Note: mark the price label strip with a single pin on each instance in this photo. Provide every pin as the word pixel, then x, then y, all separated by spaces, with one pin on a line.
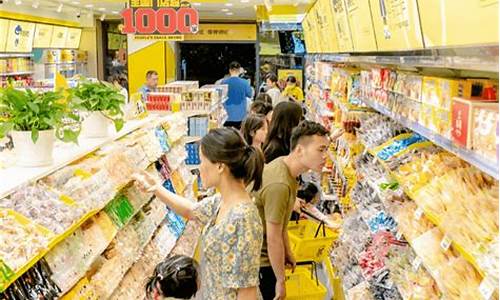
pixel 418 214
pixel 445 243
pixel 417 263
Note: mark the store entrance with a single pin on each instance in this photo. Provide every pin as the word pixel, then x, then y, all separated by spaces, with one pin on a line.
pixel 209 62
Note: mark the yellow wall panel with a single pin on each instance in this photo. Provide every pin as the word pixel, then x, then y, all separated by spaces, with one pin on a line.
pixel 361 25
pixel 459 22
pixel 330 41
pixel 397 24
pixel 151 57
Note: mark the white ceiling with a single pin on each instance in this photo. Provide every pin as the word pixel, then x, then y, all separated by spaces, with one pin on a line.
pixel 209 9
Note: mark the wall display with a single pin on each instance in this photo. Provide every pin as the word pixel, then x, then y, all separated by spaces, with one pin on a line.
pixel 397 25
pixel 43 35
pixel 59 37
pixel 20 36
pixel 458 23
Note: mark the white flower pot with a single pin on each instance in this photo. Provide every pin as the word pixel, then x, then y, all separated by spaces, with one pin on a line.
pixel 31 154
pixel 96 125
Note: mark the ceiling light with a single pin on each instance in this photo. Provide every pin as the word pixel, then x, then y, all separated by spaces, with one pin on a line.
pixel 18 2
pixel 89 5
pixel 225 9
pixel 197 4
pixel 59 8
pixel 103 17
pixel 229 14
pixel 36 4
pixel 229 4
pixel 101 9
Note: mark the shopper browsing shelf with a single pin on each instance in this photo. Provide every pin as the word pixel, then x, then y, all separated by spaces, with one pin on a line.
pixel 276 198
pixel 150 85
pixel 254 130
pixel 238 91
pixel 262 108
pixel 286 115
pixel 273 89
pixel 174 278
pixel 292 90
pixel 232 238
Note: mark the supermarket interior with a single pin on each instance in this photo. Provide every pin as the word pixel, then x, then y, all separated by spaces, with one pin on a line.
pixel 249 149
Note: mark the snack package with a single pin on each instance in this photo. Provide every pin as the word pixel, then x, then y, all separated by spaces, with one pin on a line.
pixel 428 248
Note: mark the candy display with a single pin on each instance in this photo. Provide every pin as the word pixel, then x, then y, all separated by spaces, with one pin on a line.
pixel 19 241
pixel 44 207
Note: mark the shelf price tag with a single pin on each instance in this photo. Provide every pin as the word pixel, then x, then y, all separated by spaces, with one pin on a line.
pixel 418 213
pixel 417 262
pixel 445 243
pixel 399 235
pixel 487 288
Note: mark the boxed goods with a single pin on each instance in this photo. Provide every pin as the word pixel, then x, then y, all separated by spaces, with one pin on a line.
pixel 439 92
pixel 462 120
pixel 479 89
pixel 425 116
pixel 484 131
pixel 441 122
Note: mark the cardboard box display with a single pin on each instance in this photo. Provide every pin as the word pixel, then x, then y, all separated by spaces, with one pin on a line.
pixel 484 132
pixel 479 89
pixel 441 122
pixel 462 121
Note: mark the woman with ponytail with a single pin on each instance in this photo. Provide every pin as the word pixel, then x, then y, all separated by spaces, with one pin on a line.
pixel 232 238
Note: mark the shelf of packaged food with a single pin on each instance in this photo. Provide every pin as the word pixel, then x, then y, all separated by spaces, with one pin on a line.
pixel 485 63
pixel 436 221
pixel 64 154
pixel 66 63
pixel 485 165
pixel 14 55
pixel 17 73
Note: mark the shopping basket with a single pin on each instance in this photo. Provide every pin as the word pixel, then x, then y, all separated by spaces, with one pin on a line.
pixel 301 285
pixel 310 240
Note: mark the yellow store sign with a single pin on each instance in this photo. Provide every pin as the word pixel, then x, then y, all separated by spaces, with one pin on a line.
pixel 43 34
pixel 73 38
pixel 59 37
pixel 224 32
pixel 20 36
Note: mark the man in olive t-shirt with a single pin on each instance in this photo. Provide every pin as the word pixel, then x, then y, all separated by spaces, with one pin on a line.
pixel 275 200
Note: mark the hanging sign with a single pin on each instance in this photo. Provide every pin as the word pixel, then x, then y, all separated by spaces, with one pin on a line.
pixel 160 17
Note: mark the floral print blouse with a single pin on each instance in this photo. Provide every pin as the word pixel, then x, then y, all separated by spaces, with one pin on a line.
pixel 230 249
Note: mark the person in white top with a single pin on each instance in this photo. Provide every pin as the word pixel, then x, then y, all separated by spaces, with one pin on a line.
pixel 273 90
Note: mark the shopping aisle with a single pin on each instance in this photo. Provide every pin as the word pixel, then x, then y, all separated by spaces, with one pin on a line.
pixel 420 213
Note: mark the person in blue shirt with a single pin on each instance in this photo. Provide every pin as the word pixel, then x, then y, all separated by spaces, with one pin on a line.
pixel 150 85
pixel 238 91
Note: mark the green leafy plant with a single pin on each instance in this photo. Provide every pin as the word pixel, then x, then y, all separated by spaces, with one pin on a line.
pixel 35 111
pixel 101 97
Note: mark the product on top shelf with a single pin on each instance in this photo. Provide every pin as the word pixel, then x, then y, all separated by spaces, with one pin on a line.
pixel 477 88
pixel 463 123
pixel 44 207
pixel 484 132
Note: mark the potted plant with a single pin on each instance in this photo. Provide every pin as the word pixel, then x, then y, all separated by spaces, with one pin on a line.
pixel 34 120
pixel 104 103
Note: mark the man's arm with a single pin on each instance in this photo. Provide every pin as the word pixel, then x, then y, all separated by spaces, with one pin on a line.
pixel 289 257
pixel 276 251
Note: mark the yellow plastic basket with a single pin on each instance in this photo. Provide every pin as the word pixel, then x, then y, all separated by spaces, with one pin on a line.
pixel 309 244
pixel 302 286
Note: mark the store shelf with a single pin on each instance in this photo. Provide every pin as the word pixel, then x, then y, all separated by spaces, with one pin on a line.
pixel 64 154
pixel 489 167
pixel 192 139
pixel 474 59
pixel 17 73
pixel 14 55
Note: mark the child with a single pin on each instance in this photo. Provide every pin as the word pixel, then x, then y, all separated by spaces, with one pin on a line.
pixel 175 278
pixel 309 194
